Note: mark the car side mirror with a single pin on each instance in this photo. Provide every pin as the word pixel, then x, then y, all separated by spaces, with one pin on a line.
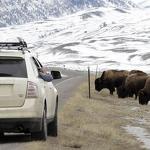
pixel 56 74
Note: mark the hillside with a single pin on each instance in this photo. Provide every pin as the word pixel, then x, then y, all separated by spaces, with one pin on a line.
pixel 108 37
pixel 23 11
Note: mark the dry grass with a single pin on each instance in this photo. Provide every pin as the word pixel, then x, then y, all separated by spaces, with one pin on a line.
pixel 96 124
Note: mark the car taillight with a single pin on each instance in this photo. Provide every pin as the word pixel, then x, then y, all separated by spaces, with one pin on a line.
pixel 32 90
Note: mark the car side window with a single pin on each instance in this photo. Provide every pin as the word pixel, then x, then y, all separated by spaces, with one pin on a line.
pixel 36 63
pixel 34 66
pixel 40 70
pixel 39 63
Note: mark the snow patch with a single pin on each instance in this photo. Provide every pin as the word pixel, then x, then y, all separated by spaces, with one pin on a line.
pixel 141 134
pixel 135 108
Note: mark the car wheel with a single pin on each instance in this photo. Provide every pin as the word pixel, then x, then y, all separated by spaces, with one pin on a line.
pixel 52 127
pixel 42 135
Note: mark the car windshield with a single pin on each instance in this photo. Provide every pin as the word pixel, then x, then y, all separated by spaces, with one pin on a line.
pixel 13 67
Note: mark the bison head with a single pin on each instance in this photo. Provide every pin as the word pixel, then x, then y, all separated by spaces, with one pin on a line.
pixel 122 92
pixel 143 97
pixel 98 84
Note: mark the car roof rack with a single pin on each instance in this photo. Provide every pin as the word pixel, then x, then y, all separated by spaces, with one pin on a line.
pixel 20 45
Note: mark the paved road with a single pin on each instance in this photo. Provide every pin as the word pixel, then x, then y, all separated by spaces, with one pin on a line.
pixel 65 87
pixel 68 84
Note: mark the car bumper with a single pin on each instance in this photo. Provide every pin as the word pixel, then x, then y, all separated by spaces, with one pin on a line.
pixel 25 118
pixel 31 109
pixel 20 125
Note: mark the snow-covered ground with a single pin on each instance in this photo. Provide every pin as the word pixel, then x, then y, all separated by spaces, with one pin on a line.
pixel 141 134
pixel 110 38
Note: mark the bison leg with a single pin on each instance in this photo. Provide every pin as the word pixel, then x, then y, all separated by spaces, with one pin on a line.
pixel 142 102
pixel 130 94
pixel 143 99
pixel 146 103
pixel 112 90
pixel 136 94
pixel 148 98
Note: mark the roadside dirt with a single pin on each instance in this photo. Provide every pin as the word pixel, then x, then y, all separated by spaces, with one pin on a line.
pixel 99 123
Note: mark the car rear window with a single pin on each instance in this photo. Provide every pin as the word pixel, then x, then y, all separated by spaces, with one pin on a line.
pixel 13 67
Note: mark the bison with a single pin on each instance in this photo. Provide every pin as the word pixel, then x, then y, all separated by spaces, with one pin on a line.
pixel 110 79
pixel 139 72
pixel 132 85
pixel 144 94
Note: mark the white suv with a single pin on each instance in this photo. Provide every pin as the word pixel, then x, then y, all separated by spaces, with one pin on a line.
pixel 28 99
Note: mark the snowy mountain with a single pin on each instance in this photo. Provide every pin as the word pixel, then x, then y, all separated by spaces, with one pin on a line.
pixel 108 37
pixel 142 3
pixel 22 11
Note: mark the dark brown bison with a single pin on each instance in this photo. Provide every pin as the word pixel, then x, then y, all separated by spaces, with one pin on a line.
pixel 110 79
pixel 132 85
pixel 144 94
pixel 139 72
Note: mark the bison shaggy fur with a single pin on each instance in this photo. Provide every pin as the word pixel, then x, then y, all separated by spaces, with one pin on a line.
pixel 144 94
pixel 132 85
pixel 110 79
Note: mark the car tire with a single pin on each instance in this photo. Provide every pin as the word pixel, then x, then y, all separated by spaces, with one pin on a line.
pixel 42 135
pixel 52 127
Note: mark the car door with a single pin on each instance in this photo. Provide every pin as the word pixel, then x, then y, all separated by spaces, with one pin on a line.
pixel 49 93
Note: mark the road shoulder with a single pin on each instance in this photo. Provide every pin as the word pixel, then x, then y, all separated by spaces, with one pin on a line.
pixel 98 123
